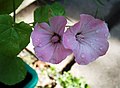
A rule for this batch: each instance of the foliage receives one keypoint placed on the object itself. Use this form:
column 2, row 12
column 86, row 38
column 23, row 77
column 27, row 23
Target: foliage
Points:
column 99, row 2
column 12, row 70
column 6, row 6
column 65, row 80
column 14, row 37
column 43, row 13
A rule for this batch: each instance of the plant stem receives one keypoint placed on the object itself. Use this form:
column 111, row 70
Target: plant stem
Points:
column 69, row 65
column 31, row 53
column 14, row 10
column 67, row 26
column 96, row 13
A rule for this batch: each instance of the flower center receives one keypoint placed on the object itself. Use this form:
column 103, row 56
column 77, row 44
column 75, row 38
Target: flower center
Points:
column 79, row 37
column 55, row 38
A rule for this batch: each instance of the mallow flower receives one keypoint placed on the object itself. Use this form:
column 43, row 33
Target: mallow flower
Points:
column 47, row 40
column 87, row 39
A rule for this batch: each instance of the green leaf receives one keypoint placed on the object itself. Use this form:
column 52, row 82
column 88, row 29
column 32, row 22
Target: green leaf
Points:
column 99, row 2
column 9, row 41
column 23, row 31
column 6, row 6
column 57, row 9
column 12, row 70
column 13, row 37
column 43, row 13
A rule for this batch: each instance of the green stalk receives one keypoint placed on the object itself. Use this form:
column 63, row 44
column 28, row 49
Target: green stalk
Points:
column 14, row 10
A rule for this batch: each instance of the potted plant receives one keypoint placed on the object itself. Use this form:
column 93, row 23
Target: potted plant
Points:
column 29, row 81
column 14, row 37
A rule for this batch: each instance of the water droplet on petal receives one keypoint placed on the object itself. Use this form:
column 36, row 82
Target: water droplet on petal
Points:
column 40, row 45
column 101, row 48
column 97, row 31
column 91, row 43
column 83, row 56
column 96, row 39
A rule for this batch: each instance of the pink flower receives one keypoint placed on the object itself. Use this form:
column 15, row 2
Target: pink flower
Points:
column 47, row 40
column 87, row 39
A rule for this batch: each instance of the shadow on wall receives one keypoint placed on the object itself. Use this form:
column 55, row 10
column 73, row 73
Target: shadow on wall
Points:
column 113, row 18
column 110, row 12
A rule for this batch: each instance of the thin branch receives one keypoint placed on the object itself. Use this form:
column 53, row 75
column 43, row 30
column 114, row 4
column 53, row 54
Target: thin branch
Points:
column 31, row 53
column 14, row 14
column 67, row 26
column 68, row 66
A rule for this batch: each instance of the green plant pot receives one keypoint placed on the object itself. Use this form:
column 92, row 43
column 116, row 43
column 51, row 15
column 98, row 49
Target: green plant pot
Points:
column 30, row 80
column 32, row 83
